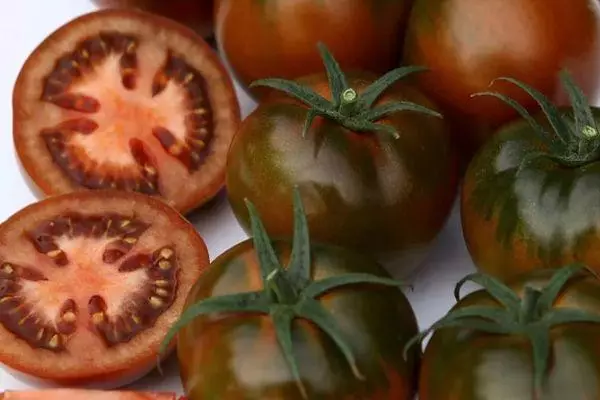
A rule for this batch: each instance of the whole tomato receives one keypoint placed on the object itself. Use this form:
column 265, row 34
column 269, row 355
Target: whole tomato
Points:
column 467, row 43
column 330, row 325
column 534, row 339
column 277, row 38
column 531, row 195
column 196, row 14
column 377, row 173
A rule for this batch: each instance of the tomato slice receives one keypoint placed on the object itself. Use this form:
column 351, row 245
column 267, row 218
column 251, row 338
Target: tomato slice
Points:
column 74, row 394
column 90, row 282
column 125, row 100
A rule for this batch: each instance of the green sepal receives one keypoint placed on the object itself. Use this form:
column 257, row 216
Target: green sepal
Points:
column 572, row 143
column 288, row 293
column 254, row 302
column 533, row 316
column 356, row 112
column 314, row 311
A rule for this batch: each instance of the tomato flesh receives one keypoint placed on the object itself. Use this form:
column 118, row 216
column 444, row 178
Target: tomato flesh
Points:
column 125, row 100
column 90, row 283
column 238, row 356
column 74, row 394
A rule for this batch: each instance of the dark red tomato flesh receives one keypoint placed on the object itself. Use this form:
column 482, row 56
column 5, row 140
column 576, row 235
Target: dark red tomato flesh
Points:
column 125, row 100
column 468, row 43
column 517, row 218
column 467, row 365
column 196, row 14
column 266, row 39
column 238, row 356
column 75, row 394
column 90, row 282
column 384, row 196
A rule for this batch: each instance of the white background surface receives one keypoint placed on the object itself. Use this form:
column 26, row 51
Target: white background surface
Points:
column 24, row 24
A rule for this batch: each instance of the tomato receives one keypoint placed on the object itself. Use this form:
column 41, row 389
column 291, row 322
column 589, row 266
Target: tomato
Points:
column 125, row 100
column 89, row 284
column 467, row 43
column 534, row 339
column 528, row 202
column 277, row 38
column 330, row 325
column 364, row 189
column 74, row 394
column 196, row 14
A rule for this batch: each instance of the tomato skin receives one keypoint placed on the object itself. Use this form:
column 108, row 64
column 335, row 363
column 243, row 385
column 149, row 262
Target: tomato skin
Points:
column 238, row 356
column 538, row 219
column 267, row 39
column 468, row 43
column 384, row 196
column 478, row 366
column 196, row 14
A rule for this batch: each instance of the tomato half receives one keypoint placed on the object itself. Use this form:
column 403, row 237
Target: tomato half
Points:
column 196, row 14
column 75, row 394
column 89, row 284
column 468, row 43
column 125, row 100
column 368, row 191
column 527, row 203
column 263, row 39
column 484, row 360
column 330, row 325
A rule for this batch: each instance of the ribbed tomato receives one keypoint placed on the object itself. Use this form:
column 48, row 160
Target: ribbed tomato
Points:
column 467, row 43
column 277, row 38
column 377, row 172
column 331, row 325
column 531, row 196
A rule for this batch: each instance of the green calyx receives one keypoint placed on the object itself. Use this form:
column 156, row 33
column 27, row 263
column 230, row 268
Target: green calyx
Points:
column 574, row 140
column 532, row 316
column 287, row 294
column 350, row 109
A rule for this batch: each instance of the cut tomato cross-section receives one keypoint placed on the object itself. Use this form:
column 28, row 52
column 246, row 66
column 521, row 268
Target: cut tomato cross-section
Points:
column 74, row 394
column 125, row 100
column 90, row 282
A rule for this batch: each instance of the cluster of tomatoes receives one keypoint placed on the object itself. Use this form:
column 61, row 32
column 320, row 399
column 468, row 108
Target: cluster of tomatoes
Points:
column 371, row 117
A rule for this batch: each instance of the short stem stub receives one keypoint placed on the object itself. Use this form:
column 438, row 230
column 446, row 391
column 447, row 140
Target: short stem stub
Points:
column 348, row 102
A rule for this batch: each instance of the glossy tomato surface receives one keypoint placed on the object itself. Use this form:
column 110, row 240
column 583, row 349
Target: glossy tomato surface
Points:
column 196, row 14
column 384, row 196
column 266, row 39
column 127, row 100
column 518, row 217
column 468, row 43
column 229, row 357
column 90, row 282
column 467, row 365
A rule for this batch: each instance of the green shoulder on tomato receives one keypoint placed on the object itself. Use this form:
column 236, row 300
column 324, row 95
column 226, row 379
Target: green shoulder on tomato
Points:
column 385, row 187
column 531, row 196
column 535, row 338
column 287, row 320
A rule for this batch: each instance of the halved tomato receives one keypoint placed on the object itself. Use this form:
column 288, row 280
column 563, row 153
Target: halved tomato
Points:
column 90, row 282
column 125, row 100
column 74, row 394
